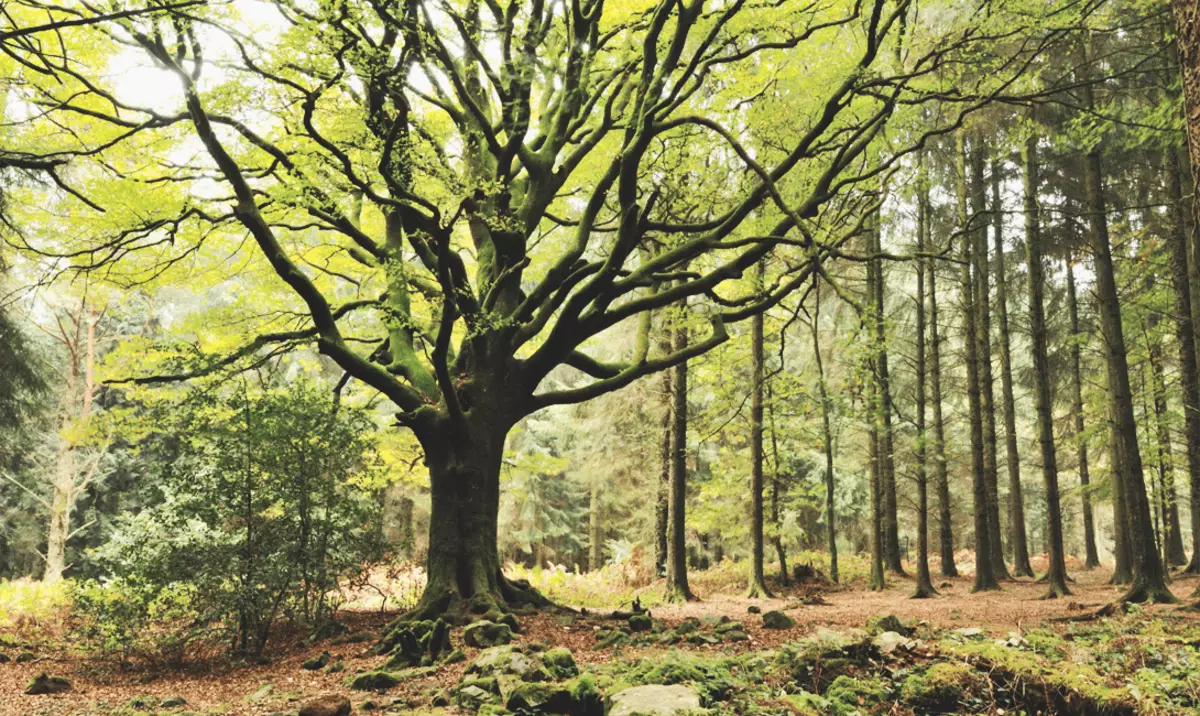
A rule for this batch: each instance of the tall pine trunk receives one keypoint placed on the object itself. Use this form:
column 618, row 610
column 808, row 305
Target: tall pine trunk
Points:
column 664, row 476
column 757, row 587
column 984, row 328
column 876, row 582
column 677, row 588
column 985, row 577
column 1077, row 339
column 595, row 530
column 826, row 408
column 1017, row 539
column 887, row 460
column 945, row 524
column 1056, row 575
column 924, row 586
column 1149, row 576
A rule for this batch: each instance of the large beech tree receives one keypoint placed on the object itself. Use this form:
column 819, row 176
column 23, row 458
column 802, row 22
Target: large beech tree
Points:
column 463, row 202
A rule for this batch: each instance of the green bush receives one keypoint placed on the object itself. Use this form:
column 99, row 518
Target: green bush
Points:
column 266, row 509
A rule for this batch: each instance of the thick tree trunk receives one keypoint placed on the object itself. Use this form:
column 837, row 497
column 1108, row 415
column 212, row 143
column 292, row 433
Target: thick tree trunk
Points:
column 758, row 586
column 887, row 460
column 677, row 588
column 1187, row 41
column 1185, row 333
column 1017, row 540
column 826, row 407
column 945, row 525
column 986, row 384
column 985, row 577
column 1056, row 575
column 924, row 587
column 1077, row 339
column 1149, row 576
column 463, row 566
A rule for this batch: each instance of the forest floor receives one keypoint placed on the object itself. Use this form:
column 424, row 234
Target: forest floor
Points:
column 103, row 686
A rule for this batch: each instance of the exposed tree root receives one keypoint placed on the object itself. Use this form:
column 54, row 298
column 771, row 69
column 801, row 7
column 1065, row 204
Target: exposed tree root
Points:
column 508, row 597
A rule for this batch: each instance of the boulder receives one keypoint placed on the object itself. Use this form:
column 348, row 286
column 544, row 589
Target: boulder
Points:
column 4, row 658
column 473, row 693
column 777, row 620
column 316, row 663
column 43, row 683
column 735, row 635
column 173, row 702
column 25, row 657
column 509, row 660
column 640, row 622
column 753, row 609
column 374, row 681
column 654, row 700
column 889, row 641
column 539, row 699
column 261, row 693
column 560, row 663
column 729, row 626
column 326, row 705
column 891, row 622
column 484, row 634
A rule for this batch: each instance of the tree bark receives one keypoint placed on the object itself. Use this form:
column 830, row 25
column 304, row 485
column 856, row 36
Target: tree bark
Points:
column 758, row 586
column 1149, row 583
column 985, row 577
column 945, row 524
column 777, row 538
column 924, row 587
column 677, row 577
column 1185, row 333
column 1056, row 575
column 986, row 384
column 876, row 582
column 887, row 461
column 1172, row 536
column 826, row 408
column 1077, row 338
column 595, row 530
column 1017, row 540
column 664, row 479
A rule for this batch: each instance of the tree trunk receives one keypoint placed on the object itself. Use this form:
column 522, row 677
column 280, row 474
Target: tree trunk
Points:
column 876, row 582
column 945, row 525
column 830, row 523
column 1149, row 577
column 1185, row 333
column 758, row 586
column 1056, row 575
column 1077, row 339
column 924, row 586
column 463, row 567
column 595, row 530
column 677, row 578
column 887, row 461
column 986, row 384
column 664, row 479
column 985, row 577
column 1172, row 537
column 1017, row 539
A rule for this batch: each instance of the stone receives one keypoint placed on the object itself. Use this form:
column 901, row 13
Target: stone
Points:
column 441, row 698
column 336, row 667
column 735, row 635
column 687, row 626
column 753, row 609
column 539, row 699
column 969, row 632
column 560, row 663
column 261, row 693
column 889, row 641
column 777, row 620
column 4, row 658
column 891, row 622
column 316, row 663
column 729, row 626
column 483, row 634
column 25, row 657
column 43, row 683
column 704, row 639
column 654, row 700
column 374, row 681
column 610, row 637
column 172, row 702
column 326, row 705
column 640, row 622
column 473, row 693
column 509, row 660
column 143, row 702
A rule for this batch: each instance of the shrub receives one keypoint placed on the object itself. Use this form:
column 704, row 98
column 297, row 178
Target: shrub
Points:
column 266, row 509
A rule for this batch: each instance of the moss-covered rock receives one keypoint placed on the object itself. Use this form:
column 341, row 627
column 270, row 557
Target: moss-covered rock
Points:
column 560, row 663
column 316, row 663
column 777, row 620
column 475, row 693
column 606, row 638
column 373, row 681
column 483, row 634
column 889, row 622
column 640, row 622
column 44, row 683
column 654, row 700
column 850, row 695
column 586, row 697
column 539, row 699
